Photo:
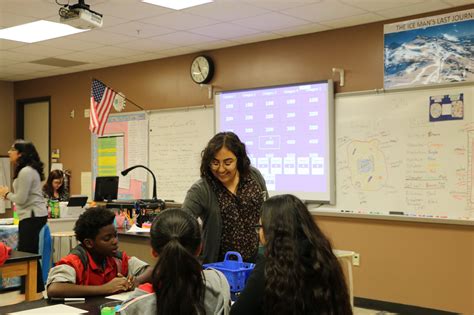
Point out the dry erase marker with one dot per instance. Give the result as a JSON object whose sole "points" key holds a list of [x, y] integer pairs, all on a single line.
{"points": [[68, 300]]}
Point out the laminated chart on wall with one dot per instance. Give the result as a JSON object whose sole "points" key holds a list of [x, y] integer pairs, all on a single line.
{"points": [[110, 155], [124, 144], [406, 151]]}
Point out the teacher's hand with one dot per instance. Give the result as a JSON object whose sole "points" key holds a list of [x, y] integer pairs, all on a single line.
{"points": [[3, 191]]}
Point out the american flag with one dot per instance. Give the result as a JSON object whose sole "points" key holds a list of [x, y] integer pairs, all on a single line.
{"points": [[102, 99]]}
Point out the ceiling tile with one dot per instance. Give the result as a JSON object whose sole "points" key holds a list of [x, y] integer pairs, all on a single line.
{"points": [[260, 37], [225, 31], [180, 51], [457, 3], [114, 62], [216, 45], [8, 44], [303, 29], [145, 57], [278, 5], [102, 37], [84, 56], [139, 30], [377, 5], [354, 20], [114, 51], [40, 50], [147, 45], [180, 21], [8, 19], [130, 10], [34, 9], [184, 38], [425, 6], [70, 44], [226, 10], [271, 21], [23, 57], [324, 11]]}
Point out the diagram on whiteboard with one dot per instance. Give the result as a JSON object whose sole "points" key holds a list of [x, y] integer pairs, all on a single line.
{"points": [[367, 165], [390, 156]]}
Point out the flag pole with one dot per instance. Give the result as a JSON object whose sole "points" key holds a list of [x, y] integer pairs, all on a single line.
{"points": [[129, 100]]}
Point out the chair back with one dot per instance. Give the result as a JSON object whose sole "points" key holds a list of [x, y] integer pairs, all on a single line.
{"points": [[45, 248]]}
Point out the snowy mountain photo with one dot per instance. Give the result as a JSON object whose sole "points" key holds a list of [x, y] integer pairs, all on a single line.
{"points": [[431, 55]]}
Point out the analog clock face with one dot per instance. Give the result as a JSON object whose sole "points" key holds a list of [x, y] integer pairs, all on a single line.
{"points": [[202, 69]]}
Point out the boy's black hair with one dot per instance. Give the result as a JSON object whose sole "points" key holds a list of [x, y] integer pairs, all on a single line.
{"points": [[91, 221]]}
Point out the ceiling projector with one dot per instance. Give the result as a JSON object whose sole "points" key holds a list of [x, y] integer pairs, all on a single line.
{"points": [[80, 16]]}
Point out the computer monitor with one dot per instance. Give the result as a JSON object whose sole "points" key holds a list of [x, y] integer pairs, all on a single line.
{"points": [[106, 188]]}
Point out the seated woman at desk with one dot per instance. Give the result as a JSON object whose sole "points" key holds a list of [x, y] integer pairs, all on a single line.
{"points": [[54, 187]]}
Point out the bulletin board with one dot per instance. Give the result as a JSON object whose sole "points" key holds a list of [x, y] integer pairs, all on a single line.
{"points": [[124, 144]]}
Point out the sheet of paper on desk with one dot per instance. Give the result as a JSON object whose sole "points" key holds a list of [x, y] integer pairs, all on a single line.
{"points": [[135, 228], [120, 296], [59, 309]]}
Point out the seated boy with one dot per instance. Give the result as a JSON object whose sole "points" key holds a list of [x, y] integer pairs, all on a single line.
{"points": [[95, 266]]}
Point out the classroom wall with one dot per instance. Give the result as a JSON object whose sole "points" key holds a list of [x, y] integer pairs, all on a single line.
{"points": [[7, 109], [426, 265]]}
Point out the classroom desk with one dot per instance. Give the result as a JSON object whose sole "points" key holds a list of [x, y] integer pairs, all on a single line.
{"points": [[136, 244], [92, 305], [22, 264]]}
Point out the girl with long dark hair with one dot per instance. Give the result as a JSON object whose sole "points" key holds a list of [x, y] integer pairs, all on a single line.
{"points": [[298, 274], [179, 285], [28, 198]]}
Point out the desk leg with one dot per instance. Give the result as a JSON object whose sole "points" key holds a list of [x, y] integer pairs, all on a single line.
{"points": [[30, 285]]}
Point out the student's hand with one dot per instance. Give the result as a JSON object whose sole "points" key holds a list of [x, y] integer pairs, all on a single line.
{"points": [[132, 283], [117, 284]]}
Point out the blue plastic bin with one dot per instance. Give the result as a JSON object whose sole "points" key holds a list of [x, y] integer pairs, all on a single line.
{"points": [[236, 271]]}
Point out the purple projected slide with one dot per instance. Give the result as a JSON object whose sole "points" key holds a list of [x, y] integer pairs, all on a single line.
{"points": [[285, 130]]}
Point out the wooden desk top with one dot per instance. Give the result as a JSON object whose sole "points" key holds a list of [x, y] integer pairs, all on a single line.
{"points": [[17, 256], [92, 305]]}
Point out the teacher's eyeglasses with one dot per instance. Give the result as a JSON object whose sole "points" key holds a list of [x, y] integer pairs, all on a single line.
{"points": [[257, 228], [215, 164]]}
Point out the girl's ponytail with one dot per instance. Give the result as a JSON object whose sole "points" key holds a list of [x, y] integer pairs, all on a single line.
{"points": [[177, 277]]}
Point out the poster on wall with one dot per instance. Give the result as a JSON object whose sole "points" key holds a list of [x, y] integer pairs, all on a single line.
{"points": [[431, 50]]}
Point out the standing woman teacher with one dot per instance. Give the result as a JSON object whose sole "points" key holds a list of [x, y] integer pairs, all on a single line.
{"points": [[28, 198], [227, 198]]}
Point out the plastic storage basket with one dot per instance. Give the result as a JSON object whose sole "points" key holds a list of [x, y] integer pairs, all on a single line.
{"points": [[236, 271]]}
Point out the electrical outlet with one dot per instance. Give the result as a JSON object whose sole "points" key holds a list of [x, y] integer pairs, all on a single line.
{"points": [[71, 114], [87, 113], [356, 259]]}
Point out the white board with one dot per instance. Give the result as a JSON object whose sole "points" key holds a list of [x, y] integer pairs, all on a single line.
{"points": [[176, 140], [391, 158]]}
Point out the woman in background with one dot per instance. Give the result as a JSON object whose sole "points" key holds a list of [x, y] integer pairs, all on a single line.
{"points": [[298, 274], [179, 285], [54, 187], [28, 198], [227, 198]]}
